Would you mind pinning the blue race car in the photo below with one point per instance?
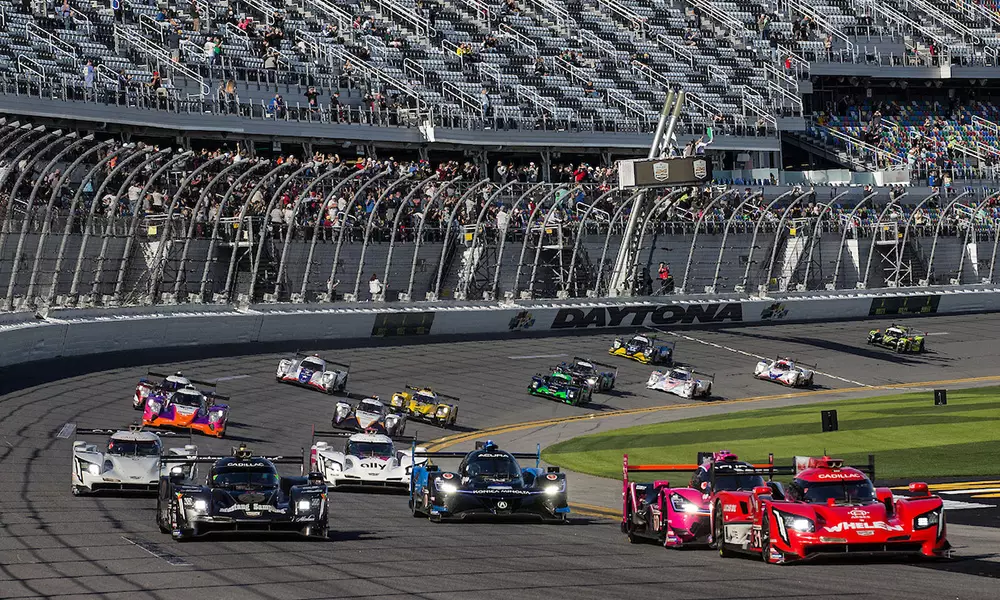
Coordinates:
(488, 483)
(645, 349)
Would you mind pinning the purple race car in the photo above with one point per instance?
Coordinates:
(187, 408)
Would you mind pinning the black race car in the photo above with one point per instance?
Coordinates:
(488, 483)
(241, 493)
(587, 370)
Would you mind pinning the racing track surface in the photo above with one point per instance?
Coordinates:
(55, 545)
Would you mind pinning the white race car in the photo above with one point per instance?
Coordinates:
(369, 415)
(367, 460)
(129, 461)
(309, 370)
(784, 371)
(681, 381)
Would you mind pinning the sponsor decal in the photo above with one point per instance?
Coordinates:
(521, 321)
(507, 491)
(401, 324)
(501, 505)
(551, 477)
(251, 507)
(700, 168)
(858, 515)
(622, 316)
(447, 476)
(729, 508)
(906, 305)
(864, 526)
(245, 464)
(661, 171)
(774, 312)
(837, 475)
(492, 455)
(251, 498)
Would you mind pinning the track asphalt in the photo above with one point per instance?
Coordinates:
(55, 545)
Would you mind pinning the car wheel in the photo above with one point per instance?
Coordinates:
(765, 540)
(160, 521)
(719, 532)
(79, 490)
(175, 531)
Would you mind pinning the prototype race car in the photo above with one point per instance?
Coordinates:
(187, 408)
(365, 460)
(600, 381)
(898, 338)
(242, 493)
(129, 461)
(369, 414)
(643, 348)
(681, 381)
(680, 516)
(167, 384)
(785, 371)
(829, 509)
(488, 483)
(311, 371)
(424, 404)
(561, 386)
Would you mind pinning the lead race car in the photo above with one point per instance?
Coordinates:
(242, 493)
(128, 462)
(681, 381)
(366, 460)
(168, 384)
(829, 509)
(311, 371)
(369, 414)
(187, 408)
(898, 338)
(489, 482)
(643, 348)
(680, 516)
(785, 371)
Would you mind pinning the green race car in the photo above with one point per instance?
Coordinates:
(900, 339)
(561, 386)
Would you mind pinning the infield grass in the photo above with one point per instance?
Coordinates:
(910, 437)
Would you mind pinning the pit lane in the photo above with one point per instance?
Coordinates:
(55, 545)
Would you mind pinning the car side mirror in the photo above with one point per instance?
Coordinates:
(884, 496)
(761, 490)
(919, 488)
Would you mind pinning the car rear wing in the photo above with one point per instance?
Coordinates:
(210, 384)
(70, 430)
(694, 371)
(213, 397)
(672, 344)
(536, 456)
(212, 459)
(577, 359)
(316, 433)
(438, 394)
(357, 396)
(768, 468)
(808, 462)
(796, 362)
(301, 354)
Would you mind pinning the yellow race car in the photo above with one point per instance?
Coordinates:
(424, 404)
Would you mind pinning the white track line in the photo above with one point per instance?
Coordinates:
(537, 356)
(156, 551)
(230, 378)
(758, 356)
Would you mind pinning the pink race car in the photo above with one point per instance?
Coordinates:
(681, 516)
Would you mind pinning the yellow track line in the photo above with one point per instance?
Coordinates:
(451, 440)
(589, 510)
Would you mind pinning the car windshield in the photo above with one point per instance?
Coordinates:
(245, 478)
(584, 366)
(134, 447)
(372, 407)
(727, 481)
(312, 365)
(493, 467)
(783, 364)
(192, 400)
(174, 383)
(842, 492)
(368, 449)
(426, 398)
(682, 375)
(639, 340)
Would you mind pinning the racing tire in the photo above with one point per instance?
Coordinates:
(79, 490)
(160, 523)
(718, 532)
(175, 531)
(765, 540)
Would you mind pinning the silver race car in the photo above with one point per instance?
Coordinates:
(129, 461)
(681, 381)
(366, 460)
(368, 415)
(785, 371)
(311, 371)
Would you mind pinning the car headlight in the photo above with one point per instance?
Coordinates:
(153, 406)
(534, 384)
(329, 375)
(177, 470)
(552, 490)
(215, 416)
(793, 522)
(335, 467)
(682, 504)
(303, 505)
(200, 505)
(446, 488)
(343, 409)
(592, 381)
(94, 469)
(443, 410)
(927, 520)
(570, 393)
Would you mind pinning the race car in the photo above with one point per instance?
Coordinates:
(643, 348)
(242, 493)
(829, 509)
(561, 386)
(680, 516)
(599, 381)
(681, 381)
(187, 408)
(898, 338)
(488, 483)
(311, 371)
(366, 460)
(369, 414)
(424, 404)
(785, 371)
(128, 462)
(166, 385)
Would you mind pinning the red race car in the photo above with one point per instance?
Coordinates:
(828, 509)
(680, 516)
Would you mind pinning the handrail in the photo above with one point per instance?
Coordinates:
(531, 95)
(946, 20)
(562, 16)
(572, 70)
(344, 19)
(467, 100)
(891, 14)
(152, 26)
(520, 40)
(491, 71)
(638, 23)
(805, 8)
(678, 50)
(373, 71)
(412, 68)
(38, 70)
(78, 17)
(755, 103)
(241, 35)
(603, 47)
(55, 44)
(421, 25)
(482, 10)
(159, 54)
(627, 102)
(895, 160)
(102, 73)
(264, 8)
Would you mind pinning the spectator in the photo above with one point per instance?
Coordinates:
(67, 15)
(210, 51)
(276, 107)
(312, 98)
(271, 60)
(663, 274)
(89, 74)
(374, 288)
(195, 16)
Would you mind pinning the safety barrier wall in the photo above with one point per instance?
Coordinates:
(26, 337)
